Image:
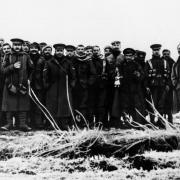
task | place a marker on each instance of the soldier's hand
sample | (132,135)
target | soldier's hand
(167,88)
(148,90)
(117,82)
(137,74)
(17,65)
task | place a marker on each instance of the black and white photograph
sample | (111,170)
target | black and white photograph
(89,90)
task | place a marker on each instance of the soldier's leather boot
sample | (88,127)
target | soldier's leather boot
(22,122)
(9,124)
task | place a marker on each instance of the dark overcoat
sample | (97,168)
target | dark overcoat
(16,102)
(175,77)
(129,95)
(54,76)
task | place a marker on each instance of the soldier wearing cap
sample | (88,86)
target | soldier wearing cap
(25,46)
(89,50)
(140,58)
(85,77)
(1,44)
(70,50)
(17,68)
(42,45)
(169,99)
(6,49)
(57,73)
(107,51)
(98,91)
(114,60)
(36,117)
(59,50)
(45,55)
(129,97)
(157,83)
(175,77)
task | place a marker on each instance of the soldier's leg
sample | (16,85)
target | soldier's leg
(36,117)
(83,108)
(91,105)
(161,105)
(101,114)
(139,108)
(154,95)
(170,117)
(2,114)
(22,116)
(9,120)
(2,118)
(37,113)
(170,109)
(119,103)
(65,123)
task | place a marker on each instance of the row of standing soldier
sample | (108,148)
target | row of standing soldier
(105,90)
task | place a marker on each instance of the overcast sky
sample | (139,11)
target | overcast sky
(136,23)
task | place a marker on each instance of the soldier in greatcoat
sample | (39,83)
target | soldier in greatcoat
(59,79)
(17,68)
(157,83)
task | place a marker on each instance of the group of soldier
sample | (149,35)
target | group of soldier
(80,86)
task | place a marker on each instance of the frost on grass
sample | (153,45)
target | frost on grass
(91,154)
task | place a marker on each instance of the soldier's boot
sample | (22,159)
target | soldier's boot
(22,121)
(170,118)
(9,120)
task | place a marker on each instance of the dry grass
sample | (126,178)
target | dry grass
(84,143)
(91,154)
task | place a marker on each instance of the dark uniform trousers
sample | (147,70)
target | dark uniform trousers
(36,116)
(98,107)
(157,79)
(20,118)
(80,101)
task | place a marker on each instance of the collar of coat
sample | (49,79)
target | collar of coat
(18,53)
(82,57)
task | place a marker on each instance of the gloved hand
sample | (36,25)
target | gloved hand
(117,82)
(167,88)
(137,74)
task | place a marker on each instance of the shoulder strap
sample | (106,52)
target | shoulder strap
(150,64)
(165,64)
(60,67)
(22,69)
(104,66)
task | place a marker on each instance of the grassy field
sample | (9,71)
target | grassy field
(91,154)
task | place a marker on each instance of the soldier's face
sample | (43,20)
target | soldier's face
(96,51)
(25,48)
(17,47)
(129,57)
(80,50)
(141,57)
(89,52)
(116,46)
(107,52)
(166,54)
(179,50)
(156,52)
(42,46)
(69,53)
(59,52)
(47,51)
(34,50)
(1,42)
(6,49)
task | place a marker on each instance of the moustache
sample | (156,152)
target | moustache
(47,54)
(34,52)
